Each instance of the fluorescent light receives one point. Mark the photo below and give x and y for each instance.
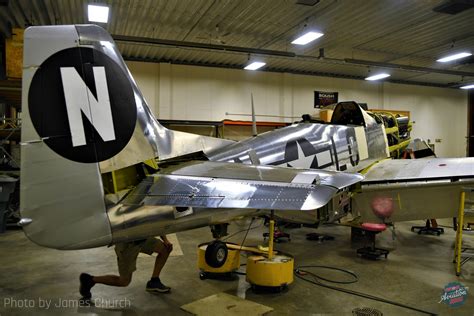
(255, 65)
(471, 86)
(454, 57)
(377, 77)
(98, 13)
(307, 38)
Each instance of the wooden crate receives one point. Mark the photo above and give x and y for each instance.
(14, 54)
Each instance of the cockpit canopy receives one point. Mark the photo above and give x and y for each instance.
(351, 113)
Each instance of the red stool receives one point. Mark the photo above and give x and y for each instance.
(372, 252)
(382, 208)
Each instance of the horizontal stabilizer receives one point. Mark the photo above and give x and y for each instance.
(230, 185)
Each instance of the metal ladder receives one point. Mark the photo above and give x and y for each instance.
(462, 255)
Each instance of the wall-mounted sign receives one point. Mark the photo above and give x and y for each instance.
(321, 98)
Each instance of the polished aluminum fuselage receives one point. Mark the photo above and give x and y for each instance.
(303, 145)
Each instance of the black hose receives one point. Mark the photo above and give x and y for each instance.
(316, 276)
(299, 273)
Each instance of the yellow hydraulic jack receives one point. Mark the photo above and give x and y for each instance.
(265, 268)
(226, 262)
(271, 270)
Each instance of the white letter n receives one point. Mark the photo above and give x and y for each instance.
(80, 98)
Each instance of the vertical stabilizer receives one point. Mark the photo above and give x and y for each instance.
(83, 115)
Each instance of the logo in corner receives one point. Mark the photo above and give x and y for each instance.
(454, 294)
(82, 105)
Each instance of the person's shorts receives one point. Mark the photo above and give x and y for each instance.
(127, 253)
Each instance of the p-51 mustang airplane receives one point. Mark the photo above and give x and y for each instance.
(83, 116)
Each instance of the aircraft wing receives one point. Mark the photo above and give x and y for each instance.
(206, 184)
(419, 188)
(428, 169)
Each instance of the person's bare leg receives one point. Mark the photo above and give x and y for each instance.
(155, 285)
(163, 254)
(113, 280)
(87, 281)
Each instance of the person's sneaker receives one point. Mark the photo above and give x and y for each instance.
(155, 285)
(86, 284)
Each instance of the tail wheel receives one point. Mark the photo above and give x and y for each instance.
(216, 254)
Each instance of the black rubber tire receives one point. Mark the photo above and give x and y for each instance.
(216, 254)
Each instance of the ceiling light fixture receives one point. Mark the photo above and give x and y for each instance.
(255, 65)
(98, 13)
(306, 38)
(470, 86)
(453, 57)
(377, 77)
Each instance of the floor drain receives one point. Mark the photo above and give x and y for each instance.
(366, 311)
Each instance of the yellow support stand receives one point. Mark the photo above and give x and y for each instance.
(270, 241)
(114, 182)
(458, 244)
(462, 255)
(272, 270)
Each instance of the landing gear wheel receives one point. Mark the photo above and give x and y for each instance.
(216, 254)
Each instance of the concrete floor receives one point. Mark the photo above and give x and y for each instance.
(415, 273)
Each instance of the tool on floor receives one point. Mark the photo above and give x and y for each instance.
(318, 237)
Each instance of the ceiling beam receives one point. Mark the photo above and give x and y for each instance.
(409, 68)
(163, 42)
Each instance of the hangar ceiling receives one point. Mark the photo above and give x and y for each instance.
(403, 37)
